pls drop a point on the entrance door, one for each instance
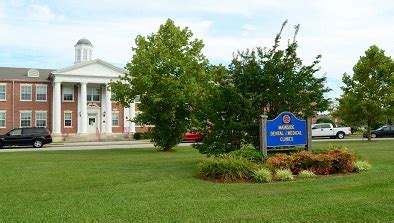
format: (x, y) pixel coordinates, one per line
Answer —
(92, 123)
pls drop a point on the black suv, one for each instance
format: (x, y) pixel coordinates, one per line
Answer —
(384, 131)
(36, 137)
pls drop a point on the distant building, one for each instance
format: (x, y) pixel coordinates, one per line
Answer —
(72, 100)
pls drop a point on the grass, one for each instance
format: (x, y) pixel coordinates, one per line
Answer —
(145, 185)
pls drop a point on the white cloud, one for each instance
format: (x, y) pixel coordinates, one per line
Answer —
(41, 13)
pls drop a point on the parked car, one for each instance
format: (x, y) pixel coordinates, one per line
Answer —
(192, 136)
(384, 131)
(36, 137)
(328, 130)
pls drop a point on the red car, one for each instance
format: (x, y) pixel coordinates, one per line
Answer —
(192, 137)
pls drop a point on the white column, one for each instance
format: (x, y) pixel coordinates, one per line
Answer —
(108, 109)
(57, 108)
(79, 110)
(132, 116)
(84, 112)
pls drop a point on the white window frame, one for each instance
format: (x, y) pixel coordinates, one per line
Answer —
(72, 91)
(46, 91)
(31, 91)
(5, 119)
(5, 91)
(20, 118)
(71, 119)
(46, 118)
(90, 93)
(115, 112)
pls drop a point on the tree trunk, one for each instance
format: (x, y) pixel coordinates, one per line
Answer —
(369, 130)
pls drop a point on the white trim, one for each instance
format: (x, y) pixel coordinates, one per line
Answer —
(46, 92)
(46, 118)
(5, 91)
(72, 90)
(83, 64)
(115, 112)
(5, 119)
(20, 118)
(31, 91)
(64, 119)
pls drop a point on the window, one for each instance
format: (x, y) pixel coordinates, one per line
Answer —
(2, 92)
(25, 92)
(115, 119)
(41, 119)
(67, 119)
(68, 94)
(25, 119)
(16, 132)
(2, 119)
(85, 55)
(93, 94)
(41, 93)
(79, 55)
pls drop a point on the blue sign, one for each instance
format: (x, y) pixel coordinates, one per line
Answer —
(286, 130)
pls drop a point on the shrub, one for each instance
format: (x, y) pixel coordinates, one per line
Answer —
(361, 166)
(248, 152)
(227, 168)
(301, 161)
(142, 135)
(306, 174)
(321, 164)
(280, 161)
(284, 175)
(263, 176)
(341, 160)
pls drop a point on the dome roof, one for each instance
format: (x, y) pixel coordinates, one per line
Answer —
(84, 42)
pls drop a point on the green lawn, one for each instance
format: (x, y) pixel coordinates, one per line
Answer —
(145, 185)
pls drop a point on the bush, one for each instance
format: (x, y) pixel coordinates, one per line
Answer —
(321, 164)
(280, 161)
(341, 160)
(142, 135)
(361, 166)
(306, 174)
(263, 176)
(227, 168)
(301, 161)
(284, 175)
(248, 152)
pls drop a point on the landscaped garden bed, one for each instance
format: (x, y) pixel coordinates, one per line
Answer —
(247, 165)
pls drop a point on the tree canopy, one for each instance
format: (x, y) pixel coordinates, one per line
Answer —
(259, 81)
(368, 94)
(168, 72)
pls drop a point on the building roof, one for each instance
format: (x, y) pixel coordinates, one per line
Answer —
(84, 41)
(11, 73)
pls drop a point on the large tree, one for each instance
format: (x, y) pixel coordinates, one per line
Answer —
(261, 81)
(368, 94)
(168, 72)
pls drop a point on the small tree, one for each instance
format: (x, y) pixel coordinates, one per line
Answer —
(260, 81)
(167, 71)
(368, 95)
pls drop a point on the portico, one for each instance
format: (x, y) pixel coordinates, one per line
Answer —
(82, 99)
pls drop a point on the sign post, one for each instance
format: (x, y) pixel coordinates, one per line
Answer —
(263, 135)
(309, 134)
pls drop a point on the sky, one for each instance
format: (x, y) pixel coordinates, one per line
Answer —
(42, 34)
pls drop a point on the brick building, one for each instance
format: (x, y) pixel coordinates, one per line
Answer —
(72, 100)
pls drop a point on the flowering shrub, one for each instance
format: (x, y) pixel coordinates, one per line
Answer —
(306, 174)
(280, 161)
(341, 160)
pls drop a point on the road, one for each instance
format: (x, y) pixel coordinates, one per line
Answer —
(129, 145)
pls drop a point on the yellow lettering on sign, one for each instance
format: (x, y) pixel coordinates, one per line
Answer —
(286, 127)
(286, 139)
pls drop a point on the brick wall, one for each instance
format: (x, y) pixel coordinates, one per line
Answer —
(13, 95)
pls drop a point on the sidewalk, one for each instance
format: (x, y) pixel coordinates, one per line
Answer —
(103, 143)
